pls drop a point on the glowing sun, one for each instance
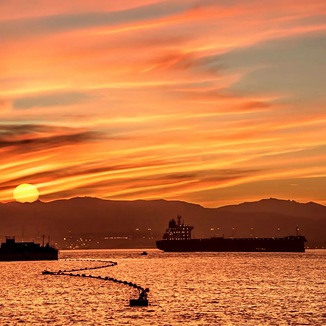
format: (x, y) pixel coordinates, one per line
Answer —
(26, 193)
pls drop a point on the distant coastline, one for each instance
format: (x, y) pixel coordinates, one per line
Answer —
(138, 224)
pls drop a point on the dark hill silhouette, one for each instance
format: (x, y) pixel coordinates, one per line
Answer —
(310, 210)
(86, 215)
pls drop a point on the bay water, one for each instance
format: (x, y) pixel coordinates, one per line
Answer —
(185, 289)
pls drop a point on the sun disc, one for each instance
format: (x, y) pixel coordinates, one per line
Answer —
(26, 193)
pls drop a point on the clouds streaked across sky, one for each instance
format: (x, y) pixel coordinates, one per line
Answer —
(212, 102)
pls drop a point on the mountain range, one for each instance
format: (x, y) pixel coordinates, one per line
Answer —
(81, 216)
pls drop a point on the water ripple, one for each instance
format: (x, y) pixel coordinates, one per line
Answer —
(186, 289)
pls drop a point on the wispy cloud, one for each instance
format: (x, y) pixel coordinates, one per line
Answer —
(49, 24)
(33, 138)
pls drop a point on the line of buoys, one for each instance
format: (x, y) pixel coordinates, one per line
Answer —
(106, 278)
(91, 260)
(133, 302)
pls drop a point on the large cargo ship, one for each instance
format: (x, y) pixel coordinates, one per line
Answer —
(18, 251)
(177, 238)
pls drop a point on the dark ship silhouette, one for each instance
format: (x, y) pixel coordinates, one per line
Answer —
(177, 238)
(19, 251)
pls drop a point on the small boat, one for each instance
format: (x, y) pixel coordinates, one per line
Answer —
(142, 299)
(138, 303)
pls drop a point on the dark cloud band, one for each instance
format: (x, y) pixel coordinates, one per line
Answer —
(36, 137)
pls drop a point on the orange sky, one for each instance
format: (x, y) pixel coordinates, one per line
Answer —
(211, 102)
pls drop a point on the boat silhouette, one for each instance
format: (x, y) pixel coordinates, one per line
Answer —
(20, 251)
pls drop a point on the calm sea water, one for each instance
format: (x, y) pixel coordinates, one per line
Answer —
(185, 289)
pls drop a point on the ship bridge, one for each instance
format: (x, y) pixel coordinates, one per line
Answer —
(178, 230)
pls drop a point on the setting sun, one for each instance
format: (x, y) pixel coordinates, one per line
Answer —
(26, 193)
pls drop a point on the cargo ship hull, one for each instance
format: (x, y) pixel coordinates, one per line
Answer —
(24, 251)
(286, 244)
(25, 256)
(177, 238)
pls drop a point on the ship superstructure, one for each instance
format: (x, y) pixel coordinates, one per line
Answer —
(178, 231)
